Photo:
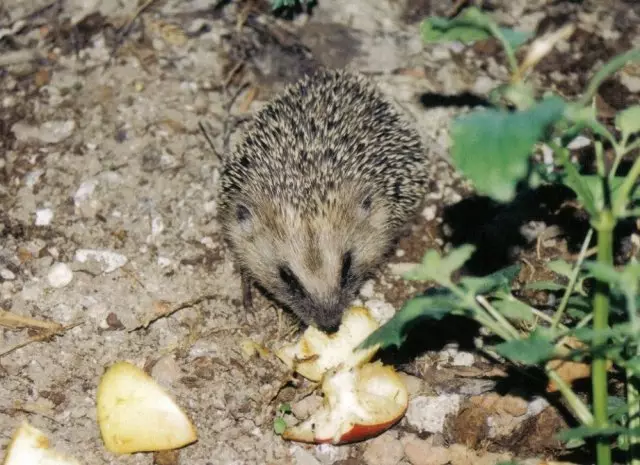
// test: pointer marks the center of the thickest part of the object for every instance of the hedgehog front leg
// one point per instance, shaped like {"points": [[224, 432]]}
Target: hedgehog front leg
{"points": [[247, 296]]}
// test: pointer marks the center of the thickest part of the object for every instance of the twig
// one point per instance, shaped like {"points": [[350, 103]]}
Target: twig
{"points": [[11, 320], [39, 338], [172, 310]]}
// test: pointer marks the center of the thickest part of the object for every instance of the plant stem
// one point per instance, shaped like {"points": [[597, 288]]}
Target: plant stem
{"points": [[511, 55], [633, 404], [501, 320], [604, 224], [579, 409], [622, 196], [614, 65], [572, 281]]}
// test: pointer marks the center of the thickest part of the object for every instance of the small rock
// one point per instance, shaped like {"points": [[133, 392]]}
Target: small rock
{"points": [[329, 454], [50, 132], [412, 383], [7, 274], [381, 311], [59, 275], [44, 217], [427, 414], [367, 290], [423, 452], [630, 82], [305, 406], [470, 427], [303, 456], [166, 371], [429, 213], [109, 261], [84, 192], [463, 359], [385, 449]]}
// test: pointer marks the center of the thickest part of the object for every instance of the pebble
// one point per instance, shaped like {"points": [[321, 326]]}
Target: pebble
{"points": [[44, 217], [463, 359], [50, 132], [7, 274], [59, 275], [423, 452], [109, 261], [427, 413], [367, 289], [303, 457], [401, 268], [381, 311], [305, 406], [429, 213], [329, 454], [166, 371], [84, 191], [385, 449]]}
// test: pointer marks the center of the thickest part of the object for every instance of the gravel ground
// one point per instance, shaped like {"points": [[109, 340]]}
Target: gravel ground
{"points": [[108, 212]]}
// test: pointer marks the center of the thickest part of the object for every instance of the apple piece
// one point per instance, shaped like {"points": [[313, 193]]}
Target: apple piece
{"points": [[30, 446], [360, 402], [317, 352], [136, 415]]}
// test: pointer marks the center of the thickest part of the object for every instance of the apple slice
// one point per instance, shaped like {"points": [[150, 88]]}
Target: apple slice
{"points": [[317, 352], [360, 402], [136, 415], [30, 446]]}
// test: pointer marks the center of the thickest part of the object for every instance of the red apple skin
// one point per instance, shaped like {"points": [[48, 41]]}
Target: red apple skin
{"points": [[355, 434]]}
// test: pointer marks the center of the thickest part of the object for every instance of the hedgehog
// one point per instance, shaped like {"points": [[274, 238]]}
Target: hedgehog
{"points": [[317, 192]]}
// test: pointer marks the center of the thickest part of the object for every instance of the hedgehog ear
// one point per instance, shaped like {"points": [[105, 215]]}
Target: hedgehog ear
{"points": [[244, 217]]}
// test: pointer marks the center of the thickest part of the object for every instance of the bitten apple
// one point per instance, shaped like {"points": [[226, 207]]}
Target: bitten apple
{"points": [[361, 399], [317, 352], [30, 446], [136, 415], [360, 402]]}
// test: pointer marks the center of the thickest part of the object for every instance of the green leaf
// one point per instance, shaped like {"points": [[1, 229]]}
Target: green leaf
{"points": [[604, 272], [544, 286], [279, 426], [437, 268], [513, 309], [393, 333], [500, 279], [492, 147], [284, 408], [469, 26], [561, 267], [582, 432], [536, 348], [628, 120], [595, 187]]}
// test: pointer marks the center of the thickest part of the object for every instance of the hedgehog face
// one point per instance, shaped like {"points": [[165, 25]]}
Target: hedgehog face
{"points": [[313, 261]]}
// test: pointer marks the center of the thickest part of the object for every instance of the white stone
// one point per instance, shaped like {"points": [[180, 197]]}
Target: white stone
{"points": [[59, 275], [429, 213], [380, 310], [7, 274], [366, 290], [85, 191], [44, 216], [463, 359], [427, 414], [109, 261], [50, 132]]}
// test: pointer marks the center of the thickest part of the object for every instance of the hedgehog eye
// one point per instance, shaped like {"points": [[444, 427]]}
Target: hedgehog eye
{"points": [[287, 277], [243, 215], [345, 273]]}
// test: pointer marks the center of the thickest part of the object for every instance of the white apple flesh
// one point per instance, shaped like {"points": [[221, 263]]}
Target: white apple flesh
{"points": [[136, 415], [30, 446]]}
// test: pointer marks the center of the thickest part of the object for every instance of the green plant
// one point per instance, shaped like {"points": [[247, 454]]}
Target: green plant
{"points": [[493, 148]]}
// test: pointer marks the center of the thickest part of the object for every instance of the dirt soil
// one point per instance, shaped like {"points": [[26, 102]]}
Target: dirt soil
{"points": [[108, 195]]}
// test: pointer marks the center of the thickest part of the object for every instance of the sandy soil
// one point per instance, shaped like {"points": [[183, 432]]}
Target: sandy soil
{"points": [[100, 150]]}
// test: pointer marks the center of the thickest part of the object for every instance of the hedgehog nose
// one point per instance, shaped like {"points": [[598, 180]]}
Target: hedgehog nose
{"points": [[329, 319]]}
